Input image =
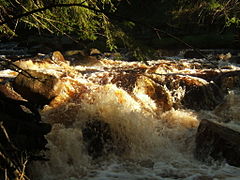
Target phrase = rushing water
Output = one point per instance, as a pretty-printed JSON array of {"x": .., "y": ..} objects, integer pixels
[{"x": 148, "y": 143}]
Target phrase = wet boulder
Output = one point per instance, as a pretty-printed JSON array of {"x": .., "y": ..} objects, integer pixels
[
  {"x": 224, "y": 57},
  {"x": 21, "y": 133},
  {"x": 125, "y": 80},
  {"x": 171, "y": 90},
  {"x": 101, "y": 139},
  {"x": 185, "y": 91},
  {"x": 58, "y": 57},
  {"x": 215, "y": 141},
  {"x": 82, "y": 57},
  {"x": 98, "y": 138},
  {"x": 37, "y": 87},
  {"x": 21, "y": 118},
  {"x": 228, "y": 80},
  {"x": 156, "y": 91},
  {"x": 203, "y": 95}
]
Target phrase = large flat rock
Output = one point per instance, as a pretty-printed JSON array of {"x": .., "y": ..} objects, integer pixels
[
  {"x": 37, "y": 87},
  {"x": 215, "y": 141}
]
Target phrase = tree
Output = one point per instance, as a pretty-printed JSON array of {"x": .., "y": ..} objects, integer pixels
[
  {"x": 83, "y": 18},
  {"x": 95, "y": 19},
  {"x": 223, "y": 12},
  {"x": 89, "y": 20}
]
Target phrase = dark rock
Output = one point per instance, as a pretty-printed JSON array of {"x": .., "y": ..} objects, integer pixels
[
  {"x": 97, "y": 135},
  {"x": 167, "y": 52},
  {"x": 155, "y": 91},
  {"x": 228, "y": 80},
  {"x": 217, "y": 142},
  {"x": 72, "y": 53},
  {"x": 18, "y": 123},
  {"x": 235, "y": 59},
  {"x": 125, "y": 80},
  {"x": 13, "y": 105},
  {"x": 21, "y": 133},
  {"x": 193, "y": 92},
  {"x": 197, "y": 93},
  {"x": 81, "y": 57},
  {"x": 202, "y": 96},
  {"x": 7, "y": 90},
  {"x": 192, "y": 54}
]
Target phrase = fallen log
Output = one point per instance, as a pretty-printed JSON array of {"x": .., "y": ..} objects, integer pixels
[{"x": 215, "y": 141}]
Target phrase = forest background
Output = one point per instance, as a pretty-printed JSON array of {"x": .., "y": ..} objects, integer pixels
[{"x": 136, "y": 25}]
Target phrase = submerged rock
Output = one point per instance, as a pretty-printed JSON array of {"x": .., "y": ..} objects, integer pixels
[
  {"x": 218, "y": 142},
  {"x": 98, "y": 139}
]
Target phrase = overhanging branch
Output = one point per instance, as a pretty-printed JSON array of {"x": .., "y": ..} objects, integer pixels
[
  {"x": 110, "y": 15},
  {"x": 47, "y": 8}
]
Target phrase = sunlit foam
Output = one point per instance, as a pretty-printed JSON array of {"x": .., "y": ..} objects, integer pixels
[{"x": 141, "y": 131}]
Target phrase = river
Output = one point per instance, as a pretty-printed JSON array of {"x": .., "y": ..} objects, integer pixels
[{"x": 147, "y": 143}]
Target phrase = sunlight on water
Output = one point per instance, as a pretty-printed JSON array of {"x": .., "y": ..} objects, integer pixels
[
  {"x": 148, "y": 143},
  {"x": 139, "y": 134}
]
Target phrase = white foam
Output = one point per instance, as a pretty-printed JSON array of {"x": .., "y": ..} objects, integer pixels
[{"x": 152, "y": 144}]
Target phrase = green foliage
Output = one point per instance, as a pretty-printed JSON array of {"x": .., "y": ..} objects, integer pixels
[
  {"x": 213, "y": 5},
  {"x": 137, "y": 50},
  {"x": 233, "y": 20},
  {"x": 225, "y": 12},
  {"x": 79, "y": 20},
  {"x": 4, "y": 3},
  {"x": 85, "y": 23},
  {"x": 172, "y": 16}
]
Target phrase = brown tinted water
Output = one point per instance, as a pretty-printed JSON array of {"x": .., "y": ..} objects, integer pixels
[{"x": 147, "y": 143}]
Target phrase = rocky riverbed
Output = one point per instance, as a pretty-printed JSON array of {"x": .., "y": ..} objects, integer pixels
[{"x": 115, "y": 119}]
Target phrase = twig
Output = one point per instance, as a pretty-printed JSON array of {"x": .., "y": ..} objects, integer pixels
[
  {"x": 7, "y": 136},
  {"x": 17, "y": 68}
]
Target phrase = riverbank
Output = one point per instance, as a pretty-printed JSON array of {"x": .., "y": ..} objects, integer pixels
[{"x": 208, "y": 45}]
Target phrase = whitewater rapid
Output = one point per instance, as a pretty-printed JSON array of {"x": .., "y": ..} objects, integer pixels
[{"x": 148, "y": 143}]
